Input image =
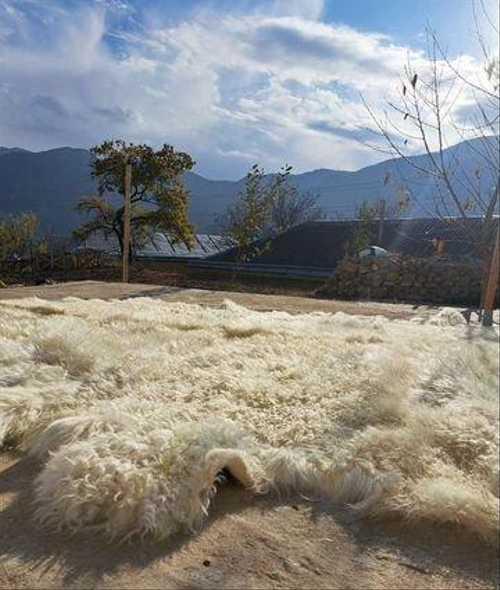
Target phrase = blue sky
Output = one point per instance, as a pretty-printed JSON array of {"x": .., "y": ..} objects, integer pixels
[{"x": 233, "y": 82}]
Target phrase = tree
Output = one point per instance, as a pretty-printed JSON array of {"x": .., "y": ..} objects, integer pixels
[
  {"x": 290, "y": 207},
  {"x": 423, "y": 115},
  {"x": 268, "y": 206},
  {"x": 247, "y": 220},
  {"x": 369, "y": 217},
  {"x": 159, "y": 201},
  {"x": 364, "y": 233},
  {"x": 17, "y": 235}
]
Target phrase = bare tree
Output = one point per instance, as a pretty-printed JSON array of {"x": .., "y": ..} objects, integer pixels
[{"x": 425, "y": 115}]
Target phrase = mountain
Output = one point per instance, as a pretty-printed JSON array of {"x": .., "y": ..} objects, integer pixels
[
  {"x": 50, "y": 183},
  {"x": 340, "y": 192}
]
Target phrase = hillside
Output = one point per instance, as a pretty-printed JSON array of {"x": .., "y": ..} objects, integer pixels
[{"x": 50, "y": 183}]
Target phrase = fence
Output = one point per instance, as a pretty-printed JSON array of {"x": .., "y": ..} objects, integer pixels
[{"x": 42, "y": 263}]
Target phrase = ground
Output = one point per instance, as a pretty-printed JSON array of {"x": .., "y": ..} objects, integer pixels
[
  {"x": 260, "y": 302},
  {"x": 247, "y": 542},
  {"x": 172, "y": 274}
]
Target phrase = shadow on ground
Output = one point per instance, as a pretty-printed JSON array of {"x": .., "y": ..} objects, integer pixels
[{"x": 87, "y": 560}]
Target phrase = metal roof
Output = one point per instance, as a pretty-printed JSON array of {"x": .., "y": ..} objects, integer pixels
[{"x": 161, "y": 245}]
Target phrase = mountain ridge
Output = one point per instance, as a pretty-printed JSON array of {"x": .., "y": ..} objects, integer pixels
[{"x": 51, "y": 182}]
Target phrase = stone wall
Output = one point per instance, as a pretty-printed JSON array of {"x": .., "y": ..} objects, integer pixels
[{"x": 426, "y": 280}]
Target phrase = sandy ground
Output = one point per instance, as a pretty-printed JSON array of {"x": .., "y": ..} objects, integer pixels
[
  {"x": 247, "y": 542},
  {"x": 260, "y": 302}
]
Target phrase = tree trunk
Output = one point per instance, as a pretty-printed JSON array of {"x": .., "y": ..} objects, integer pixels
[
  {"x": 120, "y": 241},
  {"x": 489, "y": 231},
  {"x": 492, "y": 284}
]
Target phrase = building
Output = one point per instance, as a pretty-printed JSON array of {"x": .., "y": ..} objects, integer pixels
[
  {"x": 160, "y": 246},
  {"x": 323, "y": 244}
]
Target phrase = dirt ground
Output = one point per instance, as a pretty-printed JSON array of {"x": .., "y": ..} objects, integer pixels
[
  {"x": 171, "y": 274},
  {"x": 247, "y": 542},
  {"x": 257, "y": 301}
]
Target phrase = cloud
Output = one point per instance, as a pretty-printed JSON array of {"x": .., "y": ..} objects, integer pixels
[
  {"x": 306, "y": 9},
  {"x": 96, "y": 93},
  {"x": 274, "y": 84},
  {"x": 313, "y": 52},
  {"x": 325, "y": 126}
]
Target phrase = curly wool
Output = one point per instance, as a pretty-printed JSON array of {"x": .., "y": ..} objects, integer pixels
[
  {"x": 130, "y": 482},
  {"x": 135, "y": 407}
]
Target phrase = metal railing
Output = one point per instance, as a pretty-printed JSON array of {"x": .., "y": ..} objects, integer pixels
[{"x": 283, "y": 270}]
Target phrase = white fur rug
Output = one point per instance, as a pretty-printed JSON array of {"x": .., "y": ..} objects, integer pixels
[{"x": 134, "y": 407}]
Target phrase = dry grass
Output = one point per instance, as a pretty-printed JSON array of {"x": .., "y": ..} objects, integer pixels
[{"x": 134, "y": 407}]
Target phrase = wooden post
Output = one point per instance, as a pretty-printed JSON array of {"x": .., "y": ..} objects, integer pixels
[
  {"x": 381, "y": 221},
  {"x": 492, "y": 285},
  {"x": 32, "y": 261},
  {"x": 126, "y": 221}
]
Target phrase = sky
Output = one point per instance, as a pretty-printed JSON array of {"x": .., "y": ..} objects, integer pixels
[{"x": 232, "y": 82}]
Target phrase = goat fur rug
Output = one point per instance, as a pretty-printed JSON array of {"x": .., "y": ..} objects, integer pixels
[{"x": 134, "y": 407}]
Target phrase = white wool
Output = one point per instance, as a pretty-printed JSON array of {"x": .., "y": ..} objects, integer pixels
[
  {"x": 448, "y": 316},
  {"x": 134, "y": 407},
  {"x": 73, "y": 428},
  {"x": 142, "y": 482},
  {"x": 441, "y": 498}
]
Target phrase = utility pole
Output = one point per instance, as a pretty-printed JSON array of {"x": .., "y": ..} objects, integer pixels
[
  {"x": 491, "y": 287},
  {"x": 126, "y": 221},
  {"x": 381, "y": 221}
]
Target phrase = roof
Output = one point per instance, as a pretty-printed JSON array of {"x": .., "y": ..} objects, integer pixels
[
  {"x": 324, "y": 243},
  {"x": 161, "y": 245},
  {"x": 164, "y": 245},
  {"x": 374, "y": 251}
]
